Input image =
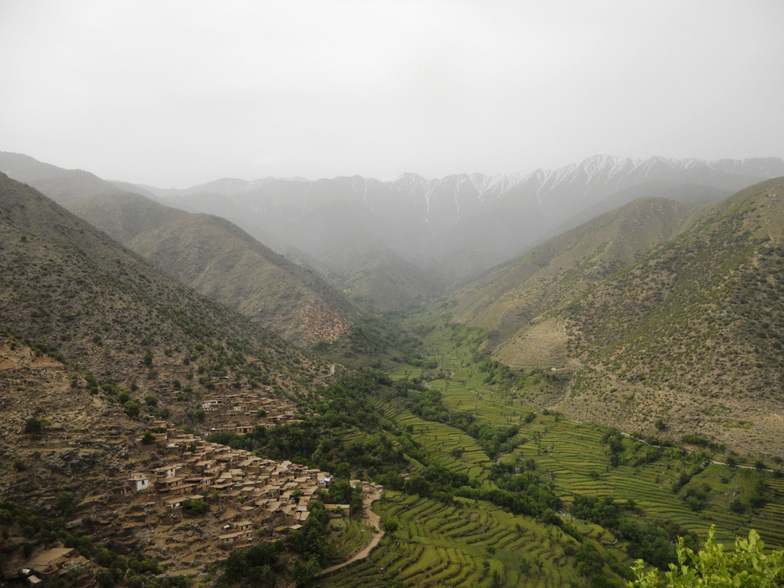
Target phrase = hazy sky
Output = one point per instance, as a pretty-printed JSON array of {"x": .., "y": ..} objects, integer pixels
[{"x": 178, "y": 93}]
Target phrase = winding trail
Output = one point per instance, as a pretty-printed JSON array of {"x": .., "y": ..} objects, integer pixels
[{"x": 370, "y": 518}]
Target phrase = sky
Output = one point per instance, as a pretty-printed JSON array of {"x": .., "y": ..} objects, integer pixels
[{"x": 176, "y": 93}]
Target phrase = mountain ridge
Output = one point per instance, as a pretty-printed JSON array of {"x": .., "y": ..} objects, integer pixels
[
  {"x": 687, "y": 329},
  {"x": 394, "y": 244}
]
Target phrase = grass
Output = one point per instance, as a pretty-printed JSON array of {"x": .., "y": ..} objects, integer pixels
[{"x": 461, "y": 545}]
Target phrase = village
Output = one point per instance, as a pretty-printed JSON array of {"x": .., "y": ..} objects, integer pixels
[{"x": 187, "y": 502}]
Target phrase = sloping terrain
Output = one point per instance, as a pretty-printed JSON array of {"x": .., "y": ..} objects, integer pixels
[
  {"x": 692, "y": 333},
  {"x": 69, "y": 287},
  {"x": 659, "y": 313},
  {"x": 61, "y": 185},
  {"x": 223, "y": 262},
  {"x": 512, "y": 300},
  {"x": 214, "y": 257}
]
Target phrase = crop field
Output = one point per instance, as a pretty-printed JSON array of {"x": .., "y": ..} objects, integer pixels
[
  {"x": 466, "y": 544},
  {"x": 440, "y": 442},
  {"x": 346, "y": 534},
  {"x": 475, "y": 543},
  {"x": 573, "y": 455}
]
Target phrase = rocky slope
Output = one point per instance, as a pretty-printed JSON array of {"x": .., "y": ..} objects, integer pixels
[
  {"x": 70, "y": 288},
  {"x": 211, "y": 255}
]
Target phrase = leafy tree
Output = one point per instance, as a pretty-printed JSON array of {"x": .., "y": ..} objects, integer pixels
[
  {"x": 195, "y": 507},
  {"x": 34, "y": 426},
  {"x": 105, "y": 579},
  {"x": 65, "y": 502},
  {"x": 747, "y": 566},
  {"x": 132, "y": 408}
]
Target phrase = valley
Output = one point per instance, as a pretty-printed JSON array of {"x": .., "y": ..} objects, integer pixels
[{"x": 186, "y": 407}]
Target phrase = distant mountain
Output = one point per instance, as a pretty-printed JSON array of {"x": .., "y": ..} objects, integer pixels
[
  {"x": 457, "y": 227},
  {"x": 657, "y": 312},
  {"x": 210, "y": 254},
  {"x": 393, "y": 244},
  {"x": 61, "y": 185}
]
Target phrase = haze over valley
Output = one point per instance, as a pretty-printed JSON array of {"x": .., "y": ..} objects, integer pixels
[{"x": 351, "y": 294}]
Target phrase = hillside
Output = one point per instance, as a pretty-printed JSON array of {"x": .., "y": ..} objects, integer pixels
[
  {"x": 70, "y": 288},
  {"x": 692, "y": 333},
  {"x": 61, "y": 185},
  {"x": 214, "y": 257},
  {"x": 512, "y": 300},
  {"x": 223, "y": 262},
  {"x": 658, "y": 313}
]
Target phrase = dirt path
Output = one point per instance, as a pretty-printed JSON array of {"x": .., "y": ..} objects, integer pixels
[{"x": 369, "y": 518}]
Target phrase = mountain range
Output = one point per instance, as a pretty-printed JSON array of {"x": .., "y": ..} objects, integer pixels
[
  {"x": 435, "y": 233},
  {"x": 395, "y": 244}
]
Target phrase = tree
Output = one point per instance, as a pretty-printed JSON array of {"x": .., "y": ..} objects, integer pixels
[
  {"x": 132, "y": 408},
  {"x": 195, "y": 507},
  {"x": 34, "y": 426},
  {"x": 747, "y": 566},
  {"x": 65, "y": 502}
]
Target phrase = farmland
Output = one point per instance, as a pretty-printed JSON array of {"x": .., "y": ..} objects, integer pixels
[{"x": 469, "y": 541}]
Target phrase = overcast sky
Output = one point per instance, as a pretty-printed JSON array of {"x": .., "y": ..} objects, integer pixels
[{"x": 177, "y": 93}]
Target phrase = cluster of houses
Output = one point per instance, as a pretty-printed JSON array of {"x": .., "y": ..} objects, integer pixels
[
  {"x": 259, "y": 494},
  {"x": 242, "y": 411},
  {"x": 250, "y": 500}
]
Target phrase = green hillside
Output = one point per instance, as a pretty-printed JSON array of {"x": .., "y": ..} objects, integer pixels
[
  {"x": 512, "y": 300},
  {"x": 659, "y": 312},
  {"x": 692, "y": 333}
]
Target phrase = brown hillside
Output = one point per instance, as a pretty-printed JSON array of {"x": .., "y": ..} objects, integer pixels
[{"x": 70, "y": 288}]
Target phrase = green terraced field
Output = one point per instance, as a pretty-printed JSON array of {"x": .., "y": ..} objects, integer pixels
[
  {"x": 461, "y": 545},
  {"x": 474, "y": 543},
  {"x": 439, "y": 440},
  {"x": 572, "y": 453}
]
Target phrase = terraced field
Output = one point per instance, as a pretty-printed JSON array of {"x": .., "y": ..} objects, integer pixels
[
  {"x": 474, "y": 543},
  {"x": 347, "y": 534},
  {"x": 468, "y": 544},
  {"x": 440, "y": 441}
]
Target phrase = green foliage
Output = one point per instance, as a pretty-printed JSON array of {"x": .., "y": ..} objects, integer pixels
[
  {"x": 428, "y": 404},
  {"x": 700, "y": 441},
  {"x": 195, "y": 507},
  {"x": 65, "y": 503},
  {"x": 258, "y": 566},
  {"x": 650, "y": 541},
  {"x": 34, "y": 426},
  {"x": 747, "y": 566},
  {"x": 132, "y": 408},
  {"x": 320, "y": 440},
  {"x": 311, "y": 540}
]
